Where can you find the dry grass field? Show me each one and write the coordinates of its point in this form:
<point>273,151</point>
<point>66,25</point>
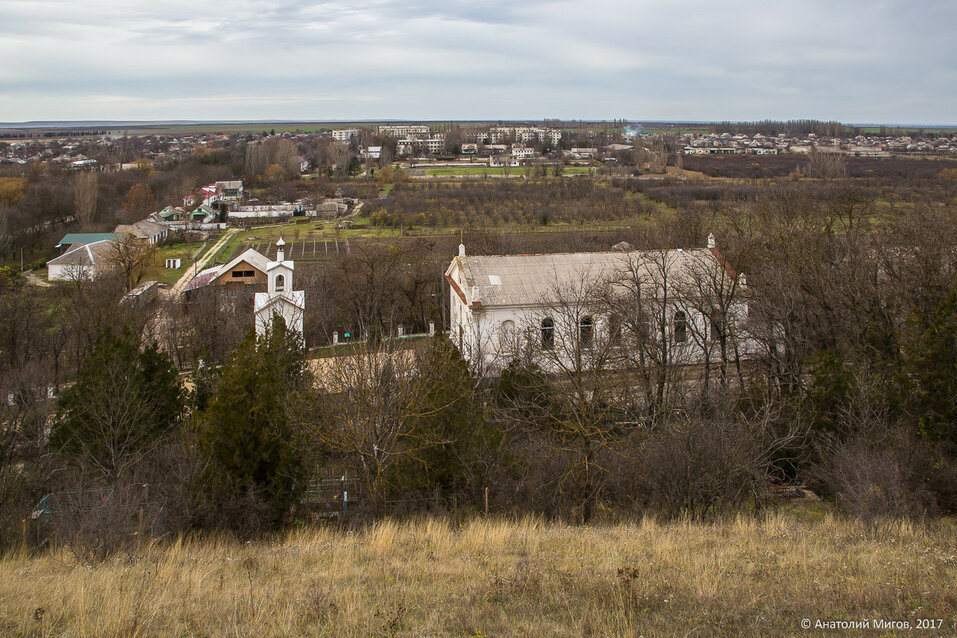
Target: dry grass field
<point>493,577</point>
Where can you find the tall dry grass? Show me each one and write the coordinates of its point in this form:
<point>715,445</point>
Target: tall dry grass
<point>494,577</point>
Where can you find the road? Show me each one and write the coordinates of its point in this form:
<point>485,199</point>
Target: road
<point>200,263</point>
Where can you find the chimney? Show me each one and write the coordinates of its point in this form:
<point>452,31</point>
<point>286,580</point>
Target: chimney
<point>476,294</point>
<point>279,245</point>
<point>711,240</point>
<point>742,280</point>
<point>461,250</point>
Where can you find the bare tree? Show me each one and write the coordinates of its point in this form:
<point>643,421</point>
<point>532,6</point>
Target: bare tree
<point>567,338</point>
<point>84,197</point>
<point>826,164</point>
<point>368,406</point>
<point>131,258</point>
<point>649,325</point>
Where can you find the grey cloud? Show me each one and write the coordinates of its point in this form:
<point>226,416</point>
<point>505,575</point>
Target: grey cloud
<point>744,59</point>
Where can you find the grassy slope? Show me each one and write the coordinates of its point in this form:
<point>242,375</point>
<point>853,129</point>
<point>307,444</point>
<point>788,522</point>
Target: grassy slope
<point>492,577</point>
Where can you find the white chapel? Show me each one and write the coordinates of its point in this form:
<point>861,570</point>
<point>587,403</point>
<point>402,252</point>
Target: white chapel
<point>279,298</point>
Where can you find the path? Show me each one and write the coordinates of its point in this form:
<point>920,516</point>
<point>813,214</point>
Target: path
<point>200,263</point>
<point>36,279</point>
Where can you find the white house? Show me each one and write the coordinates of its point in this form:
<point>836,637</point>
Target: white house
<point>83,261</point>
<point>279,298</point>
<point>505,307</point>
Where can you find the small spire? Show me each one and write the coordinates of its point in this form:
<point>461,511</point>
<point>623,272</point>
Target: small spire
<point>461,250</point>
<point>279,252</point>
<point>711,243</point>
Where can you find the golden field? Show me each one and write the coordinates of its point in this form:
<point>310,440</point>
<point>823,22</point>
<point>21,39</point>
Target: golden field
<point>750,576</point>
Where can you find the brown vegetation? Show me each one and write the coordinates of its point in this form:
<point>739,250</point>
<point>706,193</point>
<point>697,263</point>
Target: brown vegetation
<point>491,577</point>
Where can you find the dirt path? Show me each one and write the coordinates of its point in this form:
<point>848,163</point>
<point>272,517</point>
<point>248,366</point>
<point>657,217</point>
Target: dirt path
<point>180,285</point>
<point>36,279</point>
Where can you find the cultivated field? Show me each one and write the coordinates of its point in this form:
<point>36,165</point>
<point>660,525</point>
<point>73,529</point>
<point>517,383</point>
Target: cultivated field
<point>490,577</point>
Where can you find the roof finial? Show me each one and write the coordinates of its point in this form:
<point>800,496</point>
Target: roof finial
<point>279,252</point>
<point>711,243</point>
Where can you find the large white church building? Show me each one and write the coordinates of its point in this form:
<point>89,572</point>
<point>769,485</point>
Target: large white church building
<point>688,304</point>
<point>280,298</point>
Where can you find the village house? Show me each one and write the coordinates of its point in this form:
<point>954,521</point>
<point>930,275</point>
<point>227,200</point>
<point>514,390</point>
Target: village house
<point>246,269</point>
<point>143,232</point>
<point>505,307</point>
<point>71,240</point>
<point>84,261</point>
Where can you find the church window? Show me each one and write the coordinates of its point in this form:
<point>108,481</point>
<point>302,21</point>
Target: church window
<point>548,333</point>
<point>681,327</point>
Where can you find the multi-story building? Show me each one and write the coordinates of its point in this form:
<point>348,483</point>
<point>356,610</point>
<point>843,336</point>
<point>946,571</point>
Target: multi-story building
<point>405,131</point>
<point>345,134</point>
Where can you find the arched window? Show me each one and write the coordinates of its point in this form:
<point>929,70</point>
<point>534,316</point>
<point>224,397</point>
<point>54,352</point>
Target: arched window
<point>681,327</point>
<point>280,283</point>
<point>586,331</point>
<point>548,333</point>
<point>508,334</point>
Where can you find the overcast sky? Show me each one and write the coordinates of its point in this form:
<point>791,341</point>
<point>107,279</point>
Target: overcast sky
<point>849,60</point>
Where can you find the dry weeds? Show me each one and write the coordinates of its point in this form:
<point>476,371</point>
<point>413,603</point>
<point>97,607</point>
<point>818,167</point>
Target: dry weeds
<point>492,577</point>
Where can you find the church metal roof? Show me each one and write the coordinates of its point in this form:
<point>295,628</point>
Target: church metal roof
<point>522,280</point>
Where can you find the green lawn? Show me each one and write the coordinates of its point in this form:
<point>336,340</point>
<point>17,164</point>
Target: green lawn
<point>182,251</point>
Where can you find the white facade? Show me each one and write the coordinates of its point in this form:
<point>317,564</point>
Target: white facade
<point>549,308</point>
<point>345,134</point>
<point>83,261</point>
<point>279,298</point>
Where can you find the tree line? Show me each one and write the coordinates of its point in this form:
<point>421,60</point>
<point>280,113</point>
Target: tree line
<point>854,394</point>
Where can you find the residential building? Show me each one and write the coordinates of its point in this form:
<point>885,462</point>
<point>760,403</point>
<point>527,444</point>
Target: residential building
<point>83,261</point>
<point>345,134</point>
<point>144,232</point>
<point>76,239</point>
<point>413,131</point>
<point>248,268</point>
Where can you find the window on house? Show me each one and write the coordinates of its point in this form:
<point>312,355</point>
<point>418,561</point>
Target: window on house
<point>548,333</point>
<point>586,331</point>
<point>280,283</point>
<point>681,327</point>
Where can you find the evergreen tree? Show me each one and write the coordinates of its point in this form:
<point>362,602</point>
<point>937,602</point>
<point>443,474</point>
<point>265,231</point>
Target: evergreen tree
<point>245,433</point>
<point>933,367</point>
<point>448,429</point>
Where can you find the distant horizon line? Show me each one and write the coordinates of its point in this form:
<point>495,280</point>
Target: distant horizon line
<point>40,124</point>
